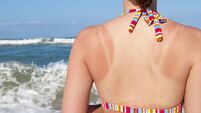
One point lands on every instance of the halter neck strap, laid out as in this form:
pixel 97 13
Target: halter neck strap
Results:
pixel 151 17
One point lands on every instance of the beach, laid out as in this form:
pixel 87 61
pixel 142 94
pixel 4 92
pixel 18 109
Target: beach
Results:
pixel 32 74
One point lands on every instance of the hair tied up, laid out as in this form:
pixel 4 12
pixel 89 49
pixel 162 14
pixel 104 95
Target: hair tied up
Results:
pixel 144 3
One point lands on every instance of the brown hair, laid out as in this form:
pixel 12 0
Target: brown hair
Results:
pixel 144 3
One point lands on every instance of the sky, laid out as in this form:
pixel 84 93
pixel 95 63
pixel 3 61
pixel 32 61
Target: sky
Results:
pixel 65 18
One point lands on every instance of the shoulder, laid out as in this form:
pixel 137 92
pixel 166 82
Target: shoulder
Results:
pixel 86 36
pixel 188 31
pixel 196 43
pixel 87 40
pixel 192 35
pixel 186 39
pixel 86 33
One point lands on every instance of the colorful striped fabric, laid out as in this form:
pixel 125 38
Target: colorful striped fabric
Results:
pixel 151 17
pixel 127 109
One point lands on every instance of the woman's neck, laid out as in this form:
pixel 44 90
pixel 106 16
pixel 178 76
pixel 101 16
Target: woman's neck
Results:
pixel 132 4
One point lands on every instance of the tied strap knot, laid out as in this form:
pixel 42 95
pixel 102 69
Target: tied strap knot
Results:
pixel 151 17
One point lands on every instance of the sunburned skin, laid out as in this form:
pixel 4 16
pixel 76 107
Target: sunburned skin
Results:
pixel 133 68
pixel 153 74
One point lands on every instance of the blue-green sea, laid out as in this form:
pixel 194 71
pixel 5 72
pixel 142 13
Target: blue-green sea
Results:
pixel 32 74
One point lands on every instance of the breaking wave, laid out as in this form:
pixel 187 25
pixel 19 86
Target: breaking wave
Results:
pixel 33 89
pixel 37 41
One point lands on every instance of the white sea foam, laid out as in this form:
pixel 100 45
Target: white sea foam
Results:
pixel 37 41
pixel 33 89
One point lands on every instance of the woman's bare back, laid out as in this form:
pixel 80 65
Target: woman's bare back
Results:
pixel 134 69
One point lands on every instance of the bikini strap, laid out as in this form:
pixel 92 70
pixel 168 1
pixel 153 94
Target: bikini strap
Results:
pixel 128 109
pixel 151 17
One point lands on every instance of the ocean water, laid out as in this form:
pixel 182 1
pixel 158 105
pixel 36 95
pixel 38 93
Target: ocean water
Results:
pixel 32 74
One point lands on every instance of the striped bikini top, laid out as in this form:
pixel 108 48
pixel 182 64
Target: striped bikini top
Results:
pixel 128 109
pixel 150 17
